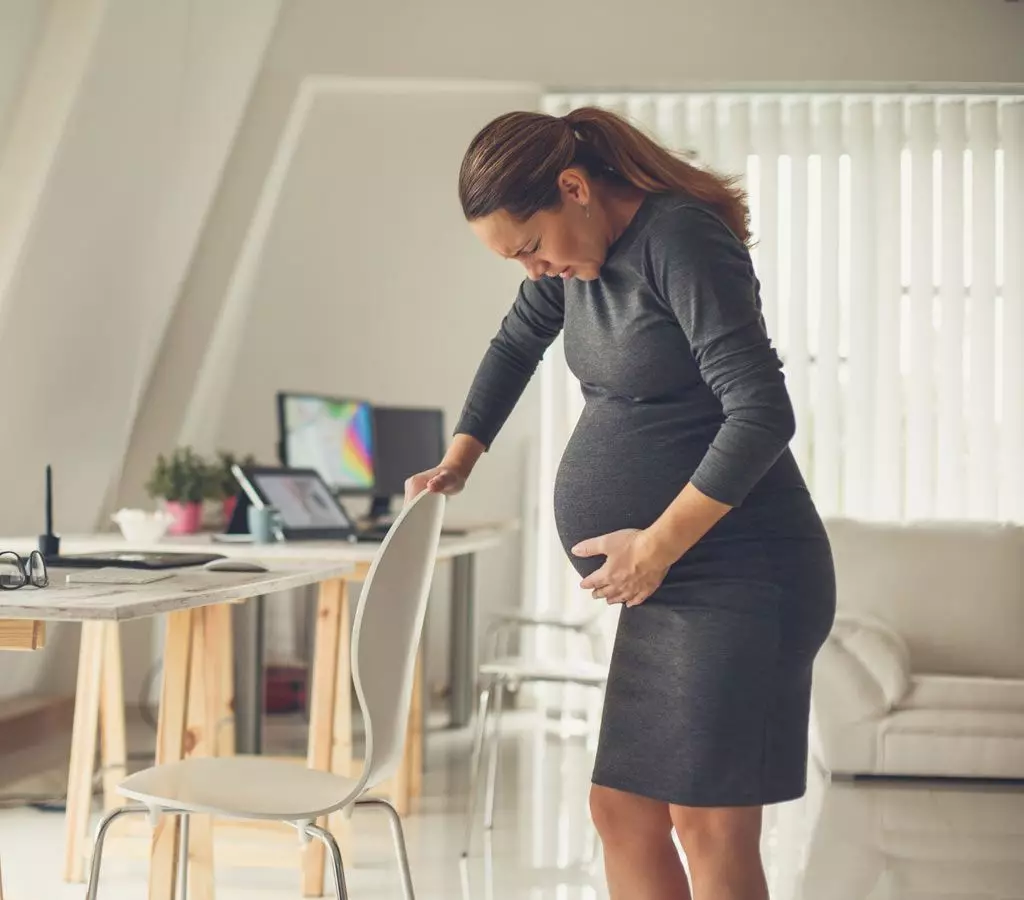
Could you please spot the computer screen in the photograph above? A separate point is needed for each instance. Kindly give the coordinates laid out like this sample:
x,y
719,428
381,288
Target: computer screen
x,y
406,441
330,434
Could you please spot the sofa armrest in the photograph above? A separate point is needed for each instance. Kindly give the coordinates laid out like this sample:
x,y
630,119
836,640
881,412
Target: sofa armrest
x,y
862,671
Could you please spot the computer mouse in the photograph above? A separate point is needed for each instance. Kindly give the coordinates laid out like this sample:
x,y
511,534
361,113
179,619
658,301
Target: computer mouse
x,y
234,565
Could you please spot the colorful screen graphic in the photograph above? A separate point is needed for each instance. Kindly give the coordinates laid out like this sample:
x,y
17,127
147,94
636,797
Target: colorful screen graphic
x,y
335,437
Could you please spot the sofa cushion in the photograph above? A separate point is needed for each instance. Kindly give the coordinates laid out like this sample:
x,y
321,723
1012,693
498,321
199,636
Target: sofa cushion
x,y
955,692
951,743
878,651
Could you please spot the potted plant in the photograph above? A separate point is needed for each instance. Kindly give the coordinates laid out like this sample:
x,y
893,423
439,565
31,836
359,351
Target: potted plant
x,y
181,481
223,486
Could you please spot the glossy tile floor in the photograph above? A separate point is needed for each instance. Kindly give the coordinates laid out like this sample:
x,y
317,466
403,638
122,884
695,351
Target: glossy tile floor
x,y
844,841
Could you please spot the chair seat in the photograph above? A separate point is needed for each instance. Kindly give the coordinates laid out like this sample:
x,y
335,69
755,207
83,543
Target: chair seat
x,y
521,668
246,787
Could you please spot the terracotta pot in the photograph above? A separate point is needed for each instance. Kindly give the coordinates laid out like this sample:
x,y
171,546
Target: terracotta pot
x,y
229,509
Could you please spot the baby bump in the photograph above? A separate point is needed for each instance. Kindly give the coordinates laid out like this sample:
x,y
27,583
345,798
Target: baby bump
x,y
621,469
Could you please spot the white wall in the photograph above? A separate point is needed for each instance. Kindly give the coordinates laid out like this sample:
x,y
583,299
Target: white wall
x,y
664,43
20,24
123,153
370,284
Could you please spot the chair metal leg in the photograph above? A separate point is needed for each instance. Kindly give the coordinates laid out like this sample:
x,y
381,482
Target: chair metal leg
x,y
336,864
97,847
475,764
398,834
183,857
492,774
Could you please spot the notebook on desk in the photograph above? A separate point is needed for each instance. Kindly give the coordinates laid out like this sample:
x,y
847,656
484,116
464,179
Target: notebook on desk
x,y
131,559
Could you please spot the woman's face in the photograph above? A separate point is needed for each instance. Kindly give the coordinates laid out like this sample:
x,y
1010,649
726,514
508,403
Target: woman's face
x,y
562,242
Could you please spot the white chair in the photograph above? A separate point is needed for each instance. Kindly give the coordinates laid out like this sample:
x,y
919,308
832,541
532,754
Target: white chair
x,y
388,621
587,627
506,672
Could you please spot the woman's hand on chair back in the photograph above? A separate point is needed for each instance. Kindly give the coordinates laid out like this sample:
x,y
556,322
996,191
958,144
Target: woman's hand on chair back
x,y
439,480
450,476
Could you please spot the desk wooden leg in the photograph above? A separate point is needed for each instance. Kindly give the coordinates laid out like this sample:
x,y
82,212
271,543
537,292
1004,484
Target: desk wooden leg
x,y
341,749
402,786
113,746
220,645
204,707
417,722
170,747
83,748
321,715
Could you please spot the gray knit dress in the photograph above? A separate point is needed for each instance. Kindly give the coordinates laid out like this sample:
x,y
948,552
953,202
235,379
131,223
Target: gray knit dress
x,y
709,689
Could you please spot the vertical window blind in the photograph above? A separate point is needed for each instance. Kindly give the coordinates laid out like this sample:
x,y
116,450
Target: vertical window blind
x,y
889,242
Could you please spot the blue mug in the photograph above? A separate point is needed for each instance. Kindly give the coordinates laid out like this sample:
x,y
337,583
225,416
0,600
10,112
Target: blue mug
x,y
262,524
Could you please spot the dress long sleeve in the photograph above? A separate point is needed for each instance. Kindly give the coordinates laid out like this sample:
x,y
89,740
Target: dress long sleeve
x,y
704,273
527,331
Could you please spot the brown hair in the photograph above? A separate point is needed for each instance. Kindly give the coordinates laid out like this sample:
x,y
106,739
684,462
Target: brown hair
x,y
514,163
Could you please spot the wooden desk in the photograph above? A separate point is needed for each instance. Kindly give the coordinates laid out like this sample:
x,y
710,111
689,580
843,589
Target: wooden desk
x,y
195,696
330,734
460,549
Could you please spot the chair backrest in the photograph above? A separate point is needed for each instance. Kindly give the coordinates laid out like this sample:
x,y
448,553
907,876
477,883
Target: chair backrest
x,y
386,634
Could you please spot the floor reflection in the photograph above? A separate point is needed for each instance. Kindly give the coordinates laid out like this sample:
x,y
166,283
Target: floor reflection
x,y
914,840
844,840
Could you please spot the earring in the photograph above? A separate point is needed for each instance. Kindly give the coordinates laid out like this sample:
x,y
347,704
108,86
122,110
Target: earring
x,y
586,210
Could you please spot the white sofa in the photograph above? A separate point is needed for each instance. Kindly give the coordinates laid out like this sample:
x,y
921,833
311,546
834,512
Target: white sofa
x,y
923,673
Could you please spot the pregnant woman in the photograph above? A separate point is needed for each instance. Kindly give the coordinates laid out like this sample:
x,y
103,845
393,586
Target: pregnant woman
x,y
677,495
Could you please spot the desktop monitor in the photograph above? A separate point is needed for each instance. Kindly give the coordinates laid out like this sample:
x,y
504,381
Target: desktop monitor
x,y
333,435
406,441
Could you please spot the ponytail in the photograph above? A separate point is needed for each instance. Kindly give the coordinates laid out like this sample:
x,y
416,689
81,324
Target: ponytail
x,y
514,163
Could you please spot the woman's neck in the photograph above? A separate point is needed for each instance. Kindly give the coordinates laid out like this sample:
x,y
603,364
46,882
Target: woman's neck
x,y
620,204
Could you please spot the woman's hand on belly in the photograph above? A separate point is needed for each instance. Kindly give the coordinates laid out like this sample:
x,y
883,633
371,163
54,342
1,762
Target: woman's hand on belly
x,y
632,571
